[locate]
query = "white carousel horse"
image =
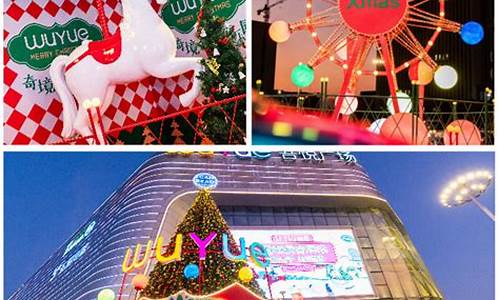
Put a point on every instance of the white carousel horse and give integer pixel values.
(143, 46)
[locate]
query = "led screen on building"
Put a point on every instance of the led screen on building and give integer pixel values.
(317, 263)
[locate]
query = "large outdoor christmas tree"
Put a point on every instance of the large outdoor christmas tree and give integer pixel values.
(216, 271)
(223, 77)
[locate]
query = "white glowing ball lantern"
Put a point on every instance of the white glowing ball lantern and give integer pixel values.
(279, 31)
(404, 103)
(376, 126)
(446, 77)
(349, 105)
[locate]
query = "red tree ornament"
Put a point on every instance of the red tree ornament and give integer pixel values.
(223, 41)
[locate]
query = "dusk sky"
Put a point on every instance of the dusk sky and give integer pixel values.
(48, 196)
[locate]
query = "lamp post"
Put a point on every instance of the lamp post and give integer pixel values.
(467, 188)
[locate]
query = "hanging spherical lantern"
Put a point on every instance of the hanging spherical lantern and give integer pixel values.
(420, 73)
(376, 125)
(140, 281)
(106, 294)
(462, 132)
(404, 103)
(472, 33)
(407, 128)
(279, 31)
(245, 274)
(446, 77)
(302, 75)
(349, 105)
(191, 271)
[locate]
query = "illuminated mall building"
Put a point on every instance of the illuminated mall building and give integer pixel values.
(307, 192)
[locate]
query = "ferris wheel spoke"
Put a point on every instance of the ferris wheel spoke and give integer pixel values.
(355, 58)
(312, 20)
(415, 3)
(408, 40)
(330, 2)
(388, 56)
(420, 18)
(315, 22)
(330, 46)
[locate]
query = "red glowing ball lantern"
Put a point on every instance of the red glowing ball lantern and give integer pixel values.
(462, 132)
(139, 282)
(407, 128)
(420, 73)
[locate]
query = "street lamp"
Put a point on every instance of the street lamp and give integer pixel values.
(467, 188)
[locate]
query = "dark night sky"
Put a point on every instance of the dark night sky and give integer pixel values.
(49, 195)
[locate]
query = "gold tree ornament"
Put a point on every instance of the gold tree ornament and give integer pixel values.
(213, 65)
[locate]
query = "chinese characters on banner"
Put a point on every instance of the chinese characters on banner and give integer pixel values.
(317, 156)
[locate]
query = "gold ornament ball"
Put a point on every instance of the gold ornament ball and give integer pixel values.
(140, 281)
(245, 274)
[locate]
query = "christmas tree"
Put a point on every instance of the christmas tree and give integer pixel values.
(223, 76)
(177, 134)
(148, 135)
(216, 271)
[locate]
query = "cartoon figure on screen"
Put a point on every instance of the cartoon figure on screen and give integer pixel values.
(142, 46)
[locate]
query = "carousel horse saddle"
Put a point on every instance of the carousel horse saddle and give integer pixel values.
(107, 50)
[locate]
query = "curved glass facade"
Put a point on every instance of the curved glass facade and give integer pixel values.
(294, 189)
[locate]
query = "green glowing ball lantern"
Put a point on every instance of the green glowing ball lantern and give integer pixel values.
(106, 294)
(302, 75)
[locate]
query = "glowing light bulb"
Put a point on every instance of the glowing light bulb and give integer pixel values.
(87, 104)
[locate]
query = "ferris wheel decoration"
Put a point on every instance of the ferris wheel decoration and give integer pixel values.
(359, 26)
